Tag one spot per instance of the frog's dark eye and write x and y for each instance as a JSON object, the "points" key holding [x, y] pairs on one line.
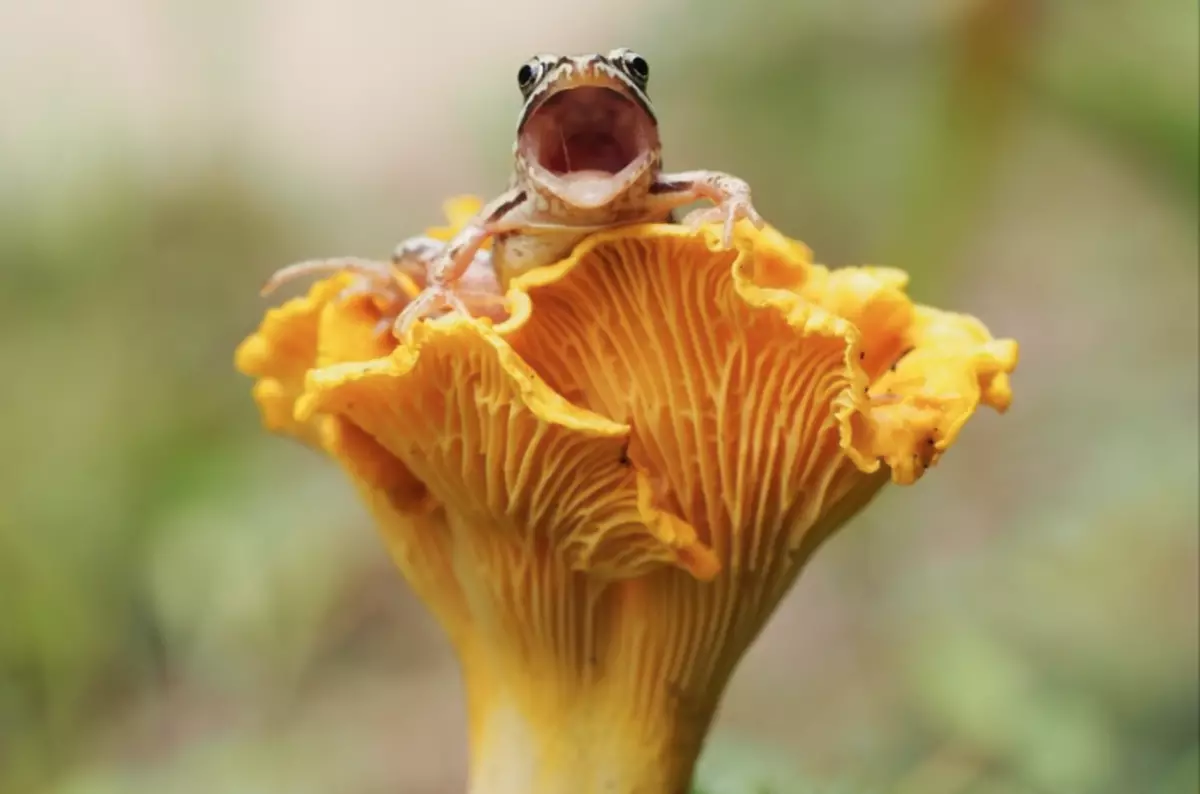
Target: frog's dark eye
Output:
{"points": [[636, 66], [528, 75]]}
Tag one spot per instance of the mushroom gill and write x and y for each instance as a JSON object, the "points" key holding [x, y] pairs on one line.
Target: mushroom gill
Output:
{"points": [[603, 498]]}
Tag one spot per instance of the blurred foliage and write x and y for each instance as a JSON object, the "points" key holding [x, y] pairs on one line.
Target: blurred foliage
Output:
{"points": [[107, 436], [191, 605]]}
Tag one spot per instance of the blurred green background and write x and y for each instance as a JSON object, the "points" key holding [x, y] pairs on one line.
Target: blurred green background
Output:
{"points": [[188, 604]]}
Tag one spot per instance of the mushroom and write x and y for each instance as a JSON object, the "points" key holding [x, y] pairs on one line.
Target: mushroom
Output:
{"points": [[604, 497]]}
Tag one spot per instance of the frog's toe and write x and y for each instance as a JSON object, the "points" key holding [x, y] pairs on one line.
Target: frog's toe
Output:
{"points": [[751, 214], [727, 214], [383, 328], [738, 210], [430, 302], [421, 307], [731, 219]]}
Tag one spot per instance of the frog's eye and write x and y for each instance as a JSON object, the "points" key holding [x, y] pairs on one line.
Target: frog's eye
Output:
{"points": [[528, 74], [636, 66]]}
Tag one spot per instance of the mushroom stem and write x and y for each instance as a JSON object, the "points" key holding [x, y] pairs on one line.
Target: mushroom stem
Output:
{"points": [[577, 684], [548, 735]]}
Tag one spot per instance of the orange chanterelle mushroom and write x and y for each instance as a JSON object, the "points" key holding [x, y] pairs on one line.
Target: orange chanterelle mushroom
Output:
{"points": [[603, 497]]}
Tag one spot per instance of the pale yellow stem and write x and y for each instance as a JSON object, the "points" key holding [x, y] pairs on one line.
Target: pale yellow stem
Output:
{"points": [[542, 735]]}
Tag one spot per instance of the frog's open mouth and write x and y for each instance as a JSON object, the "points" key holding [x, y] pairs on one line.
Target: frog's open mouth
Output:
{"points": [[588, 143]]}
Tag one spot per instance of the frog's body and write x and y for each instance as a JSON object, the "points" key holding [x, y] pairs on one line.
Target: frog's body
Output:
{"points": [[587, 157]]}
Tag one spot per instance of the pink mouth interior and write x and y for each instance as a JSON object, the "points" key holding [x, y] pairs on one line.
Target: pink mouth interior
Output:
{"points": [[591, 141]]}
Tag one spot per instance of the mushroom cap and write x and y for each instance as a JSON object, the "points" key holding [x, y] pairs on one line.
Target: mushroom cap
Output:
{"points": [[629, 472]]}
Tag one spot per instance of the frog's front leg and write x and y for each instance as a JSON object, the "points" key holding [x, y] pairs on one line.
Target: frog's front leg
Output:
{"points": [[452, 274], [730, 195]]}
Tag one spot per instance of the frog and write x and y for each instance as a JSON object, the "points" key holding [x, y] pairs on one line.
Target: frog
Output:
{"points": [[587, 157]]}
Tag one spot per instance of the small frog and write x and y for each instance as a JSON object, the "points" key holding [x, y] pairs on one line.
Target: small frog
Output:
{"points": [[587, 157]]}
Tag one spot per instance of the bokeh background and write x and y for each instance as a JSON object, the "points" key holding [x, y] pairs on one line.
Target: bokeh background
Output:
{"points": [[188, 604]]}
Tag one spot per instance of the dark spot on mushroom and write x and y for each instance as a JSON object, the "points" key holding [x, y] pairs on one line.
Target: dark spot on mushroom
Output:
{"points": [[624, 459], [900, 358]]}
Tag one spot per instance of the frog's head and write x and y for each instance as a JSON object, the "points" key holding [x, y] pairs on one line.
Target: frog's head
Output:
{"points": [[587, 131]]}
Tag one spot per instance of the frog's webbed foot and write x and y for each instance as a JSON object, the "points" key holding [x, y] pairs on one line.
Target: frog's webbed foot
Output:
{"points": [[455, 284], [438, 299], [433, 300], [729, 195], [728, 211]]}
